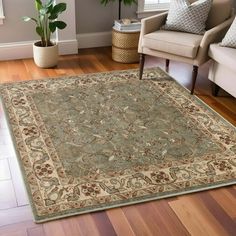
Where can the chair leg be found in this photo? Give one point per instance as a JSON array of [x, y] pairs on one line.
[[194, 77], [141, 65], [167, 65], [215, 89]]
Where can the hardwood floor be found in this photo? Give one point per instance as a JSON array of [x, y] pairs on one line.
[[210, 212]]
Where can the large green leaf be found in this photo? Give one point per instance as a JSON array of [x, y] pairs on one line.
[[52, 27], [53, 16], [56, 24], [49, 9], [26, 18], [49, 3], [59, 8], [39, 31], [38, 4], [60, 24]]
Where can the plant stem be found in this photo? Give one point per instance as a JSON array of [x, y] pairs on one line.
[[46, 30], [119, 8]]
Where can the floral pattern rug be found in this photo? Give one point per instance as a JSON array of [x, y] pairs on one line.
[[96, 141]]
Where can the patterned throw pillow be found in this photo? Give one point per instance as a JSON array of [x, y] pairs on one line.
[[230, 38], [186, 17]]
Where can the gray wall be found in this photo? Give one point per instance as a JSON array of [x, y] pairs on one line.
[[94, 17], [14, 29], [91, 16]]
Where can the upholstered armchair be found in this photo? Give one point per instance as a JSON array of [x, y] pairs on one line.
[[181, 46]]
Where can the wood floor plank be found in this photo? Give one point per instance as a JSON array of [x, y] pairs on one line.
[[4, 170], [6, 147], [103, 223], [7, 196], [15, 215], [120, 222], [232, 189], [196, 217], [3, 124], [22, 232], [218, 212], [87, 226], [225, 199], [54, 228], [71, 226], [18, 183], [12, 229], [154, 219], [137, 222], [170, 219], [3, 71], [36, 231]]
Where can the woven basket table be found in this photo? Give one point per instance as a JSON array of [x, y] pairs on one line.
[[125, 46]]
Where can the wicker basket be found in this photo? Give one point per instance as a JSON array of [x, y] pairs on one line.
[[125, 46]]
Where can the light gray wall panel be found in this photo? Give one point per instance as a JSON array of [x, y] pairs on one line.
[[91, 16], [14, 29]]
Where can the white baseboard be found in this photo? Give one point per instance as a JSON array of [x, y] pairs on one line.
[[93, 40], [16, 50], [19, 50], [67, 47]]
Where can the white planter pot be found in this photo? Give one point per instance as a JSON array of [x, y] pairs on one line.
[[45, 57]]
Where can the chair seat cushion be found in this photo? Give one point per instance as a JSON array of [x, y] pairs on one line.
[[173, 42], [223, 55]]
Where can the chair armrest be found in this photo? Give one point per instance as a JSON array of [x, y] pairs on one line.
[[151, 24], [216, 33], [212, 35]]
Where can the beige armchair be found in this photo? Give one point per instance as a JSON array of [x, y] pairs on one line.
[[180, 46], [222, 70]]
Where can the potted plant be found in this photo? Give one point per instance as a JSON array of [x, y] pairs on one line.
[[45, 51], [126, 2]]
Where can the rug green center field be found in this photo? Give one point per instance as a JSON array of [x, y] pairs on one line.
[[97, 141]]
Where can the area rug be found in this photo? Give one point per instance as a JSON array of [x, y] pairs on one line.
[[97, 141]]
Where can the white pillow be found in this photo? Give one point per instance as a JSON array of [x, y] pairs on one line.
[[186, 17], [230, 38]]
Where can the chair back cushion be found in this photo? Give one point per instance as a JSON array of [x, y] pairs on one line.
[[230, 38], [187, 17], [220, 11]]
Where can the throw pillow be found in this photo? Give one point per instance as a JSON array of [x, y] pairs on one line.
[[186, 17], [230, 38]]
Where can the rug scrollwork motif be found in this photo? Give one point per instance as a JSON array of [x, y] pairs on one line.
[[97, 141]]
